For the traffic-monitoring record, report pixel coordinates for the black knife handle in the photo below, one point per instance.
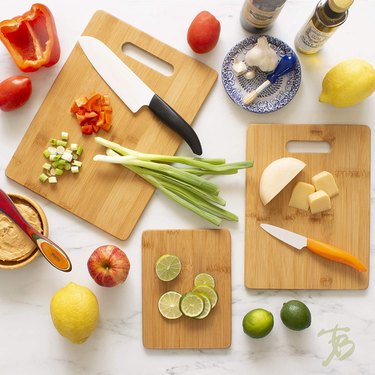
(174, 121)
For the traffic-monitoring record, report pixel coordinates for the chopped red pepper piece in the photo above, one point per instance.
(93, 113)
(31, 39)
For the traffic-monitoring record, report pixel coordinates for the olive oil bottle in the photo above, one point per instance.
(327, 17)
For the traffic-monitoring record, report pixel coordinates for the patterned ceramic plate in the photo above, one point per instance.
(274, 96)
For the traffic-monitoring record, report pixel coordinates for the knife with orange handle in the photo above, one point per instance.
(320, 248)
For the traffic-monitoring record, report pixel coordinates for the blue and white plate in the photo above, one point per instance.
(274, 96)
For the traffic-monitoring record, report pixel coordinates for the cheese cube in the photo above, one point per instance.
(299, 195)
(319, 201)
(326, 182)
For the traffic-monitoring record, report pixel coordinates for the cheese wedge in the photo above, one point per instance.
(319, 202)
(326, 182)
(299, 197)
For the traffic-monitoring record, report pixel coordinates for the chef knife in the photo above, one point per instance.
(133, 91)
(317, 247)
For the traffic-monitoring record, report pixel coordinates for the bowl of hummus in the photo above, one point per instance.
(16, 248)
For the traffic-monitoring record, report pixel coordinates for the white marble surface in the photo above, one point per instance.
(29, 342)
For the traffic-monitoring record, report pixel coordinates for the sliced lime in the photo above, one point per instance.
(207, 307)
(168, 267)
(191, 305)
(204, 279)
(208, 292)
(169, 305)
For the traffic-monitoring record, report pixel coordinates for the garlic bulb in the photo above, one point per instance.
(262, 56)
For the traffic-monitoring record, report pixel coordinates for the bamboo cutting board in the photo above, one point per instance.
(199, 251)
(109, 196)
(271, 264)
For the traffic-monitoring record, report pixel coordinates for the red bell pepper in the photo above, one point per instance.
(31, 39)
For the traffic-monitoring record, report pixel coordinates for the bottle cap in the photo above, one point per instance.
(340, 6)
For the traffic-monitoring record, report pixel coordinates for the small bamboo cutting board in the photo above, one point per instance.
(199, 251)
(109, 196)
(272, 264)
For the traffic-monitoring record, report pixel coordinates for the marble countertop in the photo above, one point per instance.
(30, 343)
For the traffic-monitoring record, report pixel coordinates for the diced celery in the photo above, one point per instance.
(43, 177)
(61, 143)
(59, 171)
(60, 150)
(47, 166)
(67, 156)
(79, 150)
(46, 153)
(64, 136)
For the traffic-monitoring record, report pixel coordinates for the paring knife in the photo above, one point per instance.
(319, 248)
(133, 91)
(53, 253)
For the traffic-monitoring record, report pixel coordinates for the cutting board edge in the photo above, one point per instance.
(250, 284)
(170, 142)
(227, 342)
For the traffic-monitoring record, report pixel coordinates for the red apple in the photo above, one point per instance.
(108, 265)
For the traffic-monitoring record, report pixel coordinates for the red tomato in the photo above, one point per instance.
(203, 32)
(15, 91)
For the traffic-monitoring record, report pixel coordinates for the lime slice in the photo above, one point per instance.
(169, 305)
(191, 305)
(208, 292)
(207, 307)
(168, 267)
(204, 279)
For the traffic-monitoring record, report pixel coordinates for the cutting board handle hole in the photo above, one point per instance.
(308, 147)
(148, 59)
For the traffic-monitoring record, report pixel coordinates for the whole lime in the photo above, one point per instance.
(257, 323)
(295, 315)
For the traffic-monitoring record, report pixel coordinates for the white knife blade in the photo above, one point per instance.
(133, 91)
(117, 74)
(291, 238)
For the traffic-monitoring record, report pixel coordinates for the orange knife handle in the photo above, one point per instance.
(335, 254)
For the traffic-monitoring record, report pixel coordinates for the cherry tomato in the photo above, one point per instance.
(15, 91)
(203, 33)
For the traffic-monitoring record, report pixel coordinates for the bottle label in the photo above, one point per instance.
(258, 17)
(310, 39)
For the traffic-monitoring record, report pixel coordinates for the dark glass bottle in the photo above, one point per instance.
(258, 15)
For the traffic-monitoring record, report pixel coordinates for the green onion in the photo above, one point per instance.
(185, 185)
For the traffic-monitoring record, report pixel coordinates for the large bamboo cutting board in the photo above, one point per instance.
(271, 264)
(199, 251)
(109, 196)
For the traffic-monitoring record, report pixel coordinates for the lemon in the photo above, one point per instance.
(257, 323)
(348, 83)
(168, 267)
(169, 305)
(75, 312)
(295, 315)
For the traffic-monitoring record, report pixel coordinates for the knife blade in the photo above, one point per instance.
(133, 91)
(320, 248)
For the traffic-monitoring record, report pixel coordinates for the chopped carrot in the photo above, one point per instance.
(93, 113)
